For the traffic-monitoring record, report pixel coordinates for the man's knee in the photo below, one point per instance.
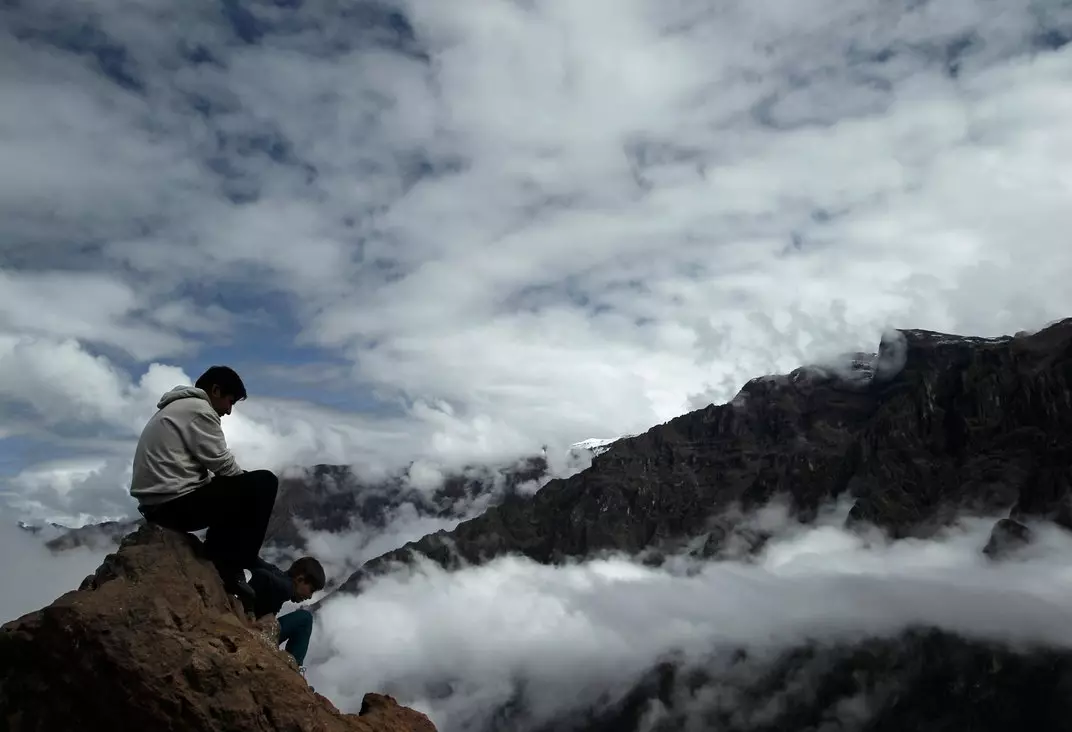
(300, 621)
(265, 480)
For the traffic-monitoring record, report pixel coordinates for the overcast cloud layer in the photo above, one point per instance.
(461, 231)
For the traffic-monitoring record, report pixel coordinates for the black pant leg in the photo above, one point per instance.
(262, 503)
(245, 504)
(191, 512)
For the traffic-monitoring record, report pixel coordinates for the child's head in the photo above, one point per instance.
(308, 577)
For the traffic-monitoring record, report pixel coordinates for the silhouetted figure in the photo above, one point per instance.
(185, 478)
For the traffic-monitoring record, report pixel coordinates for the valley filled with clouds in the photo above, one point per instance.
(517, 645)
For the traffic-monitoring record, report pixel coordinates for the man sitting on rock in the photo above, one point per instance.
(273, 587)
(185, 478)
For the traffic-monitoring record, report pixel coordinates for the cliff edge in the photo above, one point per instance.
(152, 642)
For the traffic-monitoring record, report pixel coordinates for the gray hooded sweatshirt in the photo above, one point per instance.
(181, 448)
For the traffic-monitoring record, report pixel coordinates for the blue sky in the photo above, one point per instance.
(453, 234)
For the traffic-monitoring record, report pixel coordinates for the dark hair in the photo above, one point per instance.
(311, 570)
(224, 377)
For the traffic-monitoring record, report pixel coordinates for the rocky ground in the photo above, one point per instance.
(152, 642)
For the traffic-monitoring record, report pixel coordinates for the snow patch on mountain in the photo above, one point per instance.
(595, 445)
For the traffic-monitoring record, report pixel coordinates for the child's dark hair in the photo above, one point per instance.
(224, 377)
(310, 569)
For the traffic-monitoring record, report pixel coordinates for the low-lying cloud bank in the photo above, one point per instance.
(32, 576)
(343, 553)
(464, 645)
(553, 641)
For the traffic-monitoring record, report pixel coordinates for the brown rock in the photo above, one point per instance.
(384, 713)
(152, 642)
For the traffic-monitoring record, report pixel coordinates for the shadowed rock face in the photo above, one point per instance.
(1006, 537)
(931, 425)
(152, 642)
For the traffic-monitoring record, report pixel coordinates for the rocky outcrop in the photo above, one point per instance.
(151, 641)
(930, 426)
(1006, 537)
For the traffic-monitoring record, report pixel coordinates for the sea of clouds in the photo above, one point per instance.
(463, 645)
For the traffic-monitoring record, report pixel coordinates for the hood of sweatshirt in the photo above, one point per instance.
(181, 392)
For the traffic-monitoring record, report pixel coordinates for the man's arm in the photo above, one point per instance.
(209, 446)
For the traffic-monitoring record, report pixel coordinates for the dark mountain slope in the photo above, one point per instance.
(931, 425)
(332, 498)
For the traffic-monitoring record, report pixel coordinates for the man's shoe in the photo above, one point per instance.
(234, 583)
(246, 595)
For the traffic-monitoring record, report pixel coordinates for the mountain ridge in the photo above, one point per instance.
(926, 429)
(929, 428)
(894, 429)
(330, 497)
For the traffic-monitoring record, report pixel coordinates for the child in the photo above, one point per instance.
(273, 587)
